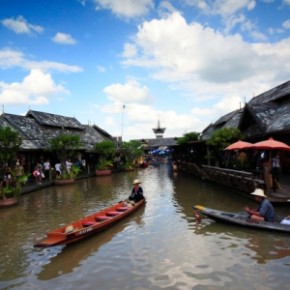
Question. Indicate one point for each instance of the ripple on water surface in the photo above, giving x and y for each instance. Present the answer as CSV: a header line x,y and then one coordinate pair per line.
x,y
159,247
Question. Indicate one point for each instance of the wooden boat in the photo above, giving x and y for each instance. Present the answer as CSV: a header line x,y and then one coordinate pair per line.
x,y
89,225
242,219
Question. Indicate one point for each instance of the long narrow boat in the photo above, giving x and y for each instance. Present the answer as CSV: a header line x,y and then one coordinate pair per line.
x,y
89,225
242,219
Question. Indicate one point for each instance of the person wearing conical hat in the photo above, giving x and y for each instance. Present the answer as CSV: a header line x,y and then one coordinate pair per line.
x,y
265,211
137,191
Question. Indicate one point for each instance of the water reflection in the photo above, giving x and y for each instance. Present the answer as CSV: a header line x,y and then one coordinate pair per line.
x,y
71,257
159,247
263,245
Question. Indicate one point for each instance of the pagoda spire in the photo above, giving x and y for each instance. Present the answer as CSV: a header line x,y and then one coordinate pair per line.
x,y
159,131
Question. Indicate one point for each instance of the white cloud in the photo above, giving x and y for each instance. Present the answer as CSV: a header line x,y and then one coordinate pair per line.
x,y
83,2
140,119
195,56
101,68
165,8
36,88
20,26
232,13
230,7
13,58
63,38
126,8
129,93
129,50
216,71
139,113
191,52
286,24
222,7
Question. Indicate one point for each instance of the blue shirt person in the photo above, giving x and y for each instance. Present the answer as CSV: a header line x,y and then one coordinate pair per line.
x,y
265,211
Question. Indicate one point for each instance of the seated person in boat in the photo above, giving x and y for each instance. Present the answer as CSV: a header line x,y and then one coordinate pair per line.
x,y
265,211
137,192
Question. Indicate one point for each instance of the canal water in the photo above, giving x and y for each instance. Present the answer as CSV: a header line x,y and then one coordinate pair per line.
x,y
161,246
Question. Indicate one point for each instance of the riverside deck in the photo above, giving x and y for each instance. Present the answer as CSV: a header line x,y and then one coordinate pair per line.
x,y
241,181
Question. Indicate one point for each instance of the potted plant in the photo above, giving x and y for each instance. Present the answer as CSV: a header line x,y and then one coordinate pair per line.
x,y
105,150
10,193
10,142
65,145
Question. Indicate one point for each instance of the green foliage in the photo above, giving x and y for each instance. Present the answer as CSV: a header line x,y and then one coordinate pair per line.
x,y
65,142
14,188
65,145
219,141
105,149
224,137
104,164
188,137
127,166
74,171
10,142
131,150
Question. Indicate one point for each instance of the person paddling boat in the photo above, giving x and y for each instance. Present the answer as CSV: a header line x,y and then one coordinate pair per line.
x,y
265,211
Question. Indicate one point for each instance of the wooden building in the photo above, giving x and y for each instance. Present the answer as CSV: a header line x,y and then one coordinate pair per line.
x,y
38,128
264,116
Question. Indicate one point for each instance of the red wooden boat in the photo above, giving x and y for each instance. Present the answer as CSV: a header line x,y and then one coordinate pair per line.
x,y
89,225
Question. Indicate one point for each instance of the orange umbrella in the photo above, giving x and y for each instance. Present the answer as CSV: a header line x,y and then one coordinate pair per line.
x,y
270,144
239,145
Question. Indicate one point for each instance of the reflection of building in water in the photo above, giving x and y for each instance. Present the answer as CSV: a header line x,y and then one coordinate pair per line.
x,y
268,249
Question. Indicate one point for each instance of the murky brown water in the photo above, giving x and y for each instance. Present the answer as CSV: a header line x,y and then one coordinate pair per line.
x,y
159,247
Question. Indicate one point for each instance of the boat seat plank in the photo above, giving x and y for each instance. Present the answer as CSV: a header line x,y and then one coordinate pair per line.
x,y
88,224
101,218
112,213
121,209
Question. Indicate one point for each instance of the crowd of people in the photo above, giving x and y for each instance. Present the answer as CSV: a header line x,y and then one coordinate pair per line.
x,y
44,171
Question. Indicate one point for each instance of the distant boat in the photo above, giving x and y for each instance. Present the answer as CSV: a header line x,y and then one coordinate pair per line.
x,y
143,165
242,219
89,225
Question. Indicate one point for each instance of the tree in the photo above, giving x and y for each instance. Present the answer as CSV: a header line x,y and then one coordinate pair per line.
x,y
219,140
191,136
65,145
105,149
131,151
10,142
224,137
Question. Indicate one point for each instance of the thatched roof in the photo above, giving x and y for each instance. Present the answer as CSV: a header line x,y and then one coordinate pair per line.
x,y
265,115
230,120
52,120
38,128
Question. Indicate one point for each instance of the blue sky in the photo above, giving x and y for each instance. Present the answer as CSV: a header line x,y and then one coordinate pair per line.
x,y
123,65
